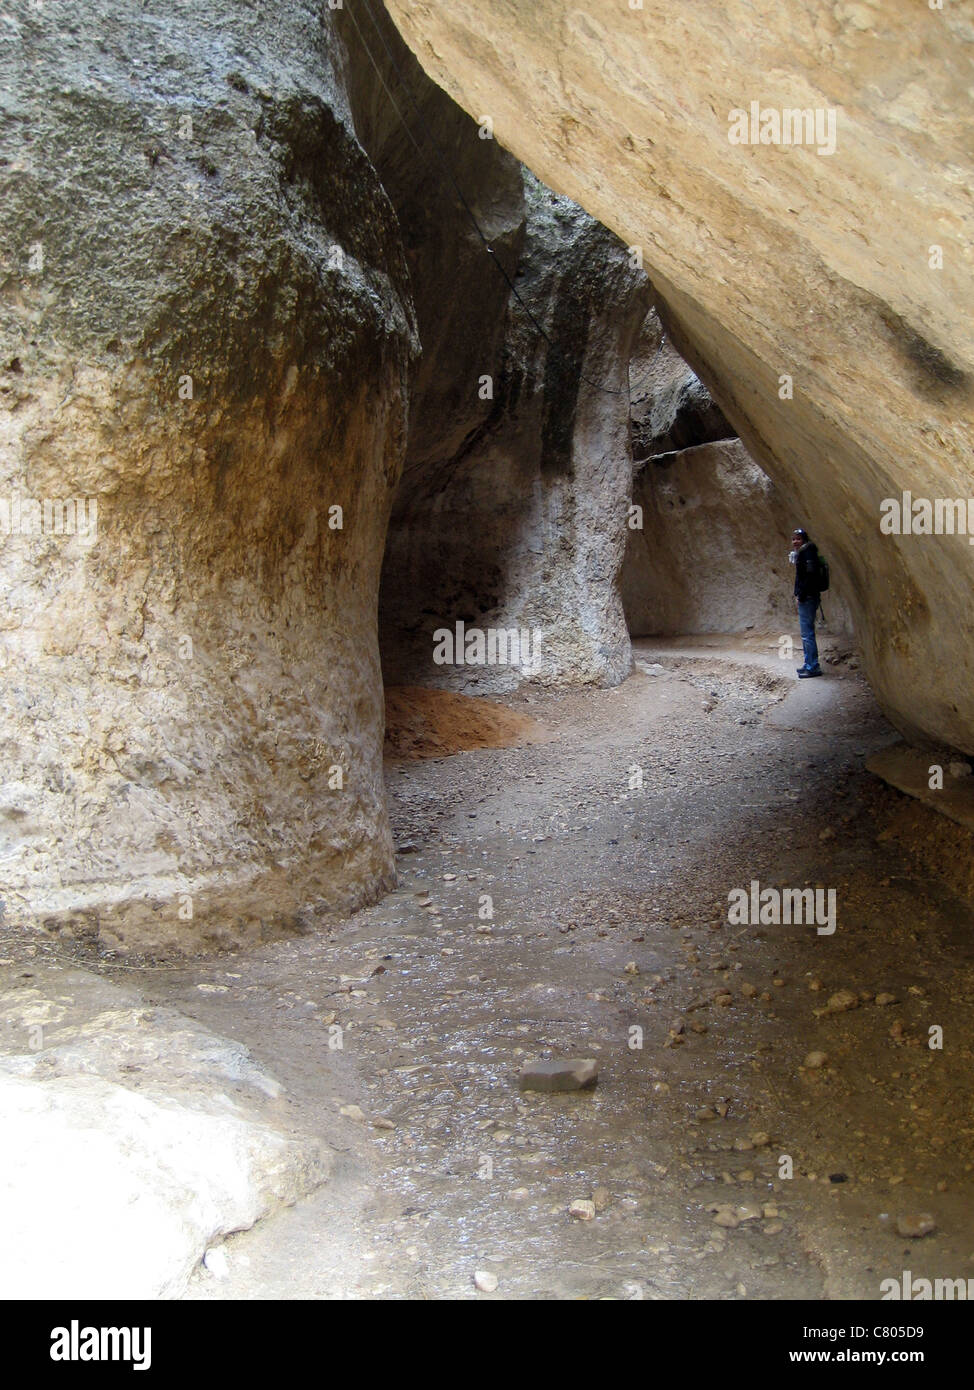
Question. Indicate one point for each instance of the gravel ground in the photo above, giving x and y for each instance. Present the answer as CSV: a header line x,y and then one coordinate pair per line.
x,y
548,908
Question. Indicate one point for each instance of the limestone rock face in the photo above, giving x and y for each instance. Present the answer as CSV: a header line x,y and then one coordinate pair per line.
x,y
669,406
774,261
523,527
710,554
206,327
171,1134
511,511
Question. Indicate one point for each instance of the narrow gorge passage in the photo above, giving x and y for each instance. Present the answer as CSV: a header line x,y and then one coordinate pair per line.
x,y
436,861
743,777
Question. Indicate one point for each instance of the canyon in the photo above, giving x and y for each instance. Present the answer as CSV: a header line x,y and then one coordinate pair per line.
x,y
332,332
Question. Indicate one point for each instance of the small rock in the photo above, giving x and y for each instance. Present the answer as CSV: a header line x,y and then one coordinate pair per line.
x,y
749,991
773,1228
216,1262
601,1197
914,1225
352,1112
842,1000
705,1113
814,1060
382,1123
727,1219
884,999
485,1281
959,769
572,1074
632,968
582,1209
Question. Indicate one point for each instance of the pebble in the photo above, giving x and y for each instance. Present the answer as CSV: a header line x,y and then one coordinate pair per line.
x,y
727,1219
814,1060
601,1198
352,1112
632,968
582,1209
216,1262
914,1225
884,999
842,1000
485,1281
572,1074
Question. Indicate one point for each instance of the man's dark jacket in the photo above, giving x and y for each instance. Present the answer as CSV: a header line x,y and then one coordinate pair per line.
x,y
806,573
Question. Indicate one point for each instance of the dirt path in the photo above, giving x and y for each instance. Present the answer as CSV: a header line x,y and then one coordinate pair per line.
x,y
610,908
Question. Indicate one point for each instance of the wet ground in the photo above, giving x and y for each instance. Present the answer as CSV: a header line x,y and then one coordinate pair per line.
x,y
551,906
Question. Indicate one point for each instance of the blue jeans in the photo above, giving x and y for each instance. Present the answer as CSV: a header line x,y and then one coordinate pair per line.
x,y
806,621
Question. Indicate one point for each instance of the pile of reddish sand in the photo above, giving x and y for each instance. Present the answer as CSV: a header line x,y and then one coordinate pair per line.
x,y
424,723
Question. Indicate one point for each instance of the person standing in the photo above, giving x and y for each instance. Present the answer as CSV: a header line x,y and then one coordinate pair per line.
x,y
808,597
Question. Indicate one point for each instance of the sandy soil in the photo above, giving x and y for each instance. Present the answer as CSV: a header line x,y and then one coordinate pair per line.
x,y
609,911
422,723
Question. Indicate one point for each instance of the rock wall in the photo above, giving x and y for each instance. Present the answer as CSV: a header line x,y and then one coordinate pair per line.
x,y
711,552
847,272
512,505
524,527
712,555
206,328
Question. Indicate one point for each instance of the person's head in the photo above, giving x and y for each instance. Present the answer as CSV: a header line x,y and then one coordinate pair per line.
x,y
799,538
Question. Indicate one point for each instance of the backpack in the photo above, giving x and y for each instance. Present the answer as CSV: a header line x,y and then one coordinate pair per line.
x,y
823,576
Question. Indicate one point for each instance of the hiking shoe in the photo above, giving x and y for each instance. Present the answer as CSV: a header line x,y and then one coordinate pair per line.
x,y
805,675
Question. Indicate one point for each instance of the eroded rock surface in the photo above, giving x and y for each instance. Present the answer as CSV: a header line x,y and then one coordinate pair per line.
x,y
206,326
523,528
710,553
773,261
133,1138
